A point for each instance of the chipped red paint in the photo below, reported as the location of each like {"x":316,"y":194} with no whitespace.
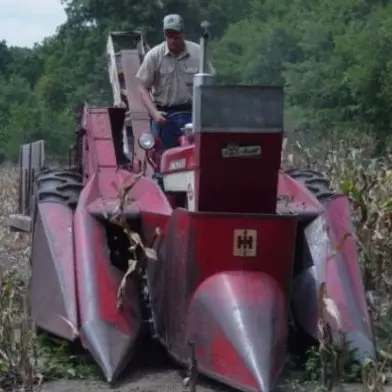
{"x":294,"y":198}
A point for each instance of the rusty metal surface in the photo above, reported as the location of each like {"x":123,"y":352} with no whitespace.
{"x":19,"y":222}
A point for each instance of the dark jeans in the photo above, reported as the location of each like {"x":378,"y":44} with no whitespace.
{"x":170,"y":132}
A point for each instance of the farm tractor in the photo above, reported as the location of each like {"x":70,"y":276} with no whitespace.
{"x":210,"y":248}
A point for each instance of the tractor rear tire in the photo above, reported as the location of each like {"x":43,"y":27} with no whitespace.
{"x":59,"y":185}
{"x":315,"y":182}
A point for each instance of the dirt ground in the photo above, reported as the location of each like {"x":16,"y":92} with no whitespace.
{"x":170,"y":381}
{"x":144,"y":381}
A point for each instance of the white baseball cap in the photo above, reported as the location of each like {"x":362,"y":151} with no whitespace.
{"x":173,"y":22}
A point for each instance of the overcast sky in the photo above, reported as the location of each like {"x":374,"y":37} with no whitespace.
{"x":24,"y":22}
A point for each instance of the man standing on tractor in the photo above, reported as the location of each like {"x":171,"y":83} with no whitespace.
{"x":167,"y":71}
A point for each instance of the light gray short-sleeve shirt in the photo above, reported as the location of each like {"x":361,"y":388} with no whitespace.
{"x":170,"y":78}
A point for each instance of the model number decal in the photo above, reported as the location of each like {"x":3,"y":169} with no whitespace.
{"x":237,"y":151}
{"x":178,"y":164}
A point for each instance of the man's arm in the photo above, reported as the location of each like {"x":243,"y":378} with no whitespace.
{"x":146,"y":98}
{"x":145,"y":75}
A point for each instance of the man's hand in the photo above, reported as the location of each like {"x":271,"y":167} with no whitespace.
{"x":159,"y":117}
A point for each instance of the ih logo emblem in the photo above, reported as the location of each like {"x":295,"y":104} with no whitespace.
{"x":245,"y":243}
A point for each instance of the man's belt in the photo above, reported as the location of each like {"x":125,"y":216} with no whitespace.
{"x":175,"y":108}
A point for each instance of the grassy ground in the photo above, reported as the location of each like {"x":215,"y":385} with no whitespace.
{"x":26,"y":359}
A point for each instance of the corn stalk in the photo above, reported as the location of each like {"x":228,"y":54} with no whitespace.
{"x":135,"y":241}
{"x":18,"y":361}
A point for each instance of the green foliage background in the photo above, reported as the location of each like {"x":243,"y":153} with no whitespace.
{"x":334,"y":58}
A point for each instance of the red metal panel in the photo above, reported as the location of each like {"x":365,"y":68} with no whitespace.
{"x":237,"y":184}
{"x":243,"y":339}
{"x":241,"y":302}
{"x":89,"y":155}
{"x":293,"y":197}
{"x":215,"y":244}
{"x":108,"y":332}
{"x":99,"y":149}
{"x":344,"y":278}
{"x":100,"y":123}
{"x":178,"y":159}
{"x":145,"y":193}
{"x":106,"y":154}
{"x":334,"y":260}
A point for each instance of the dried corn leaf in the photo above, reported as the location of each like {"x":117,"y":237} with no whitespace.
{"x":331,"y":308}
{"x":132,"y":264}
{"x":151,"y":254}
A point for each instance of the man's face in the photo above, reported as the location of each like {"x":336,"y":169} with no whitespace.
{"x":175,"y":41}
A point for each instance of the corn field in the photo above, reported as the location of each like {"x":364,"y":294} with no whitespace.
{"x":350,"y":165}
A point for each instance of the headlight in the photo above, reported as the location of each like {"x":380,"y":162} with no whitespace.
{"x":188,"y":128}
{"x":146,"y":141}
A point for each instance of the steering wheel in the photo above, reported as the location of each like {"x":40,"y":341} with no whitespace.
{"x":153,"y":156}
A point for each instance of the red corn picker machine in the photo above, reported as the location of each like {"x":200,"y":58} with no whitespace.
{"x":218,"y":247}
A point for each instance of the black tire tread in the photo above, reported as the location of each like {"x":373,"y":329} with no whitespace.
{"x":315,"y":182}
{"x":59,"y":185}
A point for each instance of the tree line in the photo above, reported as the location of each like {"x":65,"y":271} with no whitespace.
{"x":333,"y":57}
